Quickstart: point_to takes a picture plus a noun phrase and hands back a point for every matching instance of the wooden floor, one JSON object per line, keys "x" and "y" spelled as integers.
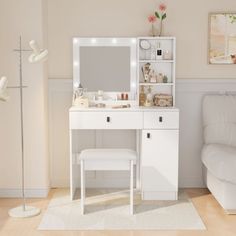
{"x": 215, "y": 219}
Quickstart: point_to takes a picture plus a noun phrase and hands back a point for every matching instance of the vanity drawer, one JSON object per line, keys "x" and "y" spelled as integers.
{"x": 106, "y": 120}
{"x": 161, "y": 120}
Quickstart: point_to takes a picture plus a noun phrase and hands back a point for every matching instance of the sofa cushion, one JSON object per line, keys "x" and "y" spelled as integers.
{"x": 219, "y": 119}
{"x": 220, "y": 160}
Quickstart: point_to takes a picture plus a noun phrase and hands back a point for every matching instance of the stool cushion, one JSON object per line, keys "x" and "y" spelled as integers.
{"x": 108, "y": 154}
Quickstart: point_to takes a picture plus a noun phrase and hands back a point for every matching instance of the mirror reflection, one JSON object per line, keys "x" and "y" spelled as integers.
{"x": 105, "y": 68}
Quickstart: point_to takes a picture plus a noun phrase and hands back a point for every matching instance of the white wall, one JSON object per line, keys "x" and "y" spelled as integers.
{"x": 186, "y": 19}
{"x": 189, "y": 94}
{"x": 24, "y": 18}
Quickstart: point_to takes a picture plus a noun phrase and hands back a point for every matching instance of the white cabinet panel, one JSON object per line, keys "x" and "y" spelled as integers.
{"x": 159, "y": 165}
{"x": 106, "y": 120}
{"x": 161, "y": 120}
{"x": 158, "y": 146}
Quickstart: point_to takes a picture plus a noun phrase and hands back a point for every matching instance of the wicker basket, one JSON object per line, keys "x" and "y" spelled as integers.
{"x": 163, "y": 100}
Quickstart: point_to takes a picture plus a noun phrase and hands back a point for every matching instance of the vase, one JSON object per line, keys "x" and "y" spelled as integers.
{"x": 153, "y": 30}
{"x": 161, "y": 29}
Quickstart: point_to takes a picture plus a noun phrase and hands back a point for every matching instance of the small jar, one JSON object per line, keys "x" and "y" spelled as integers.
{"x": 167, "y": 55}
{"x": 160, "y": 78}
{"x": 100, "y": 95}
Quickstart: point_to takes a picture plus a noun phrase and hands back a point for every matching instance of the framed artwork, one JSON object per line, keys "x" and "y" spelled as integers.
{"x": 222, "y": 38}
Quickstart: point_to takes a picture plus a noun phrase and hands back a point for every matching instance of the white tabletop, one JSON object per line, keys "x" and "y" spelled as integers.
{"x": 135, "y": 108}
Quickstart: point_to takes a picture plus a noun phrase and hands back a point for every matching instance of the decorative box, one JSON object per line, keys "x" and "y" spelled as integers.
{"x": 163, "y": 100}
{"x": 82, "y": 102}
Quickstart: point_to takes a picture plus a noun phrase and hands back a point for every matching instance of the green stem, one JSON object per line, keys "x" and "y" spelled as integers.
{"x": 160, "y": 28}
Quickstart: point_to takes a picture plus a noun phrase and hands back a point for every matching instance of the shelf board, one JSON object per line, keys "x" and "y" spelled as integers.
{"x": 156, "y": 84}
{"x": 156, "y": 61}
{"x": 156, "y": 37}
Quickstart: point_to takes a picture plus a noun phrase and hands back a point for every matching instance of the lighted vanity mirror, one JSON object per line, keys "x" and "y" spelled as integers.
{"x": 107, "y": 64}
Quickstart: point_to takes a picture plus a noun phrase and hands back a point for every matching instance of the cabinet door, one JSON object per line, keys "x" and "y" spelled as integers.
{"x": 159, "y": 160}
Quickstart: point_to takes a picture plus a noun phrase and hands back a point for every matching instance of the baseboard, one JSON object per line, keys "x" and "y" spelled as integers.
{"x": 29, "y": 193}
{"x": 230, "y": 211}
{"x": 192, "y": 183}
{"x": 160, "y": 195}
{"x": 124, "y": 183}
{"x": 108, "y": 183}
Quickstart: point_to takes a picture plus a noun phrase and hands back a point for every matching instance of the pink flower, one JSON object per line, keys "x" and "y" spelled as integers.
{"x": 152, "y": 18}
{"x": 162, "y": 7}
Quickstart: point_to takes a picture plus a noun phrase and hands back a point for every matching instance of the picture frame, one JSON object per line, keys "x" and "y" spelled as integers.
{"x": 222, "y": 38}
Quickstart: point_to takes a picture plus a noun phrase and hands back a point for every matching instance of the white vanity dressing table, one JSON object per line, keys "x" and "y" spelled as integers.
{"x": 156, "y": 128}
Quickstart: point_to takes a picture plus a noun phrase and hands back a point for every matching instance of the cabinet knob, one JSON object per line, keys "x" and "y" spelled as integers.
{"x": 160, "y": 119}
{"x": 108, "y": 119}
{"x": 148, "y": 135}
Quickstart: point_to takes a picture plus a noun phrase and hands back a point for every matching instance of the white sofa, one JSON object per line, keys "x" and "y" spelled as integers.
{"x": 219, "y": 150}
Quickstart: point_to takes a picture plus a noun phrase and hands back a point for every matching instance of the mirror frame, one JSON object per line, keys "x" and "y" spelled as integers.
{"x": 107, "y": 42}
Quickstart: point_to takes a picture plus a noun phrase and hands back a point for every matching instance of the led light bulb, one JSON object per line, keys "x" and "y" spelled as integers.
{"x": 76, "y": 63}
{"x": 114, "y": 40}
{"x": 75, "y": 41}
{"x": 133, "y": 63}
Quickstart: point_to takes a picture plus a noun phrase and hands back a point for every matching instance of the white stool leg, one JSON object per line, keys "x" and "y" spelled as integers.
{"x": 82, "y": 186}
{"x": 131, "y": 187}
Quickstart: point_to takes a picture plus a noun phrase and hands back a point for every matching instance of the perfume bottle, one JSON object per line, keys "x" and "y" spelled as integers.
{"x": 159, "y": 52}
{"x": 78, "y": 92}
{"x": 142, "y": 96}
{"x": 149, "y": 98}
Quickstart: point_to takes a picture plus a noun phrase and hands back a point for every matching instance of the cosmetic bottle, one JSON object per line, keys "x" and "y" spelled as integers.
{"x": 159, "y": 53}
{"x": 142, "y": 96}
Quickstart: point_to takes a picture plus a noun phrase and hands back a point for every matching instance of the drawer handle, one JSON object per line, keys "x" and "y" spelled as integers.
{"x": 108, "y": 119}
{"x": 160, "y": 119}
{"x": 148, "y": 135}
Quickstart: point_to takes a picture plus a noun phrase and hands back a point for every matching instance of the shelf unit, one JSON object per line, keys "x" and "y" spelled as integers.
{"x": 156, "y": 84}
{"x": 165, "y": 66}
{"x": 155, "y": 61}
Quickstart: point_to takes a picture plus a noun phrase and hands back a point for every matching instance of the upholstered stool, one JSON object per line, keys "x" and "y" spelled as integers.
{"x": 107, "y": 159}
